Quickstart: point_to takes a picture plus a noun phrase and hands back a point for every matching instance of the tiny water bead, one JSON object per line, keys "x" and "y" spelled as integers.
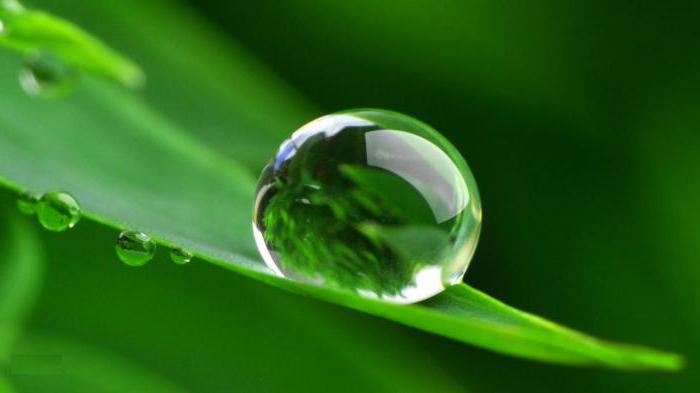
{"x": 180, "y": 256}
{"x": 370, "y": 201}
{"x": 46, "y": 75}
{"x": 27, "y": 202}
{"x": 135, "y": 248}
{"x": 58, "y": 211}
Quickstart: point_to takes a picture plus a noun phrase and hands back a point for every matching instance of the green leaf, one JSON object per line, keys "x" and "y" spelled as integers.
{"x": 28, "y": 32}
{"x": 131, "y": 168}
{"x": 47, "y": 363}
{"x": 20, "y": 277}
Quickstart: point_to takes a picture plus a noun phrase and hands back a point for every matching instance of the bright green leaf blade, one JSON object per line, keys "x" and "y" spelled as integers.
{"x": 468, "y": 315}
{"x": 142, "y": 172}
{"x": 45, "y": 363}
{"x": 28, "y": 31}
{"x": 21, "y": 270}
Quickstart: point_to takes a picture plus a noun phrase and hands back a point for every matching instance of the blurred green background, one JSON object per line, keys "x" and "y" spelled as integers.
{"x": 580, "y": 121}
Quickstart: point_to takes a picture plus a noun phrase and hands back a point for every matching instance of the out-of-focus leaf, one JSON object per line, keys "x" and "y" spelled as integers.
{"x": 197, "y": 77}
{"x": 20, "y": 275}
{"x": 669, "y": 149}
{"x": 29, "y": 32}
{"x": 50, "y": 364}
{"x": 6, "y": 386}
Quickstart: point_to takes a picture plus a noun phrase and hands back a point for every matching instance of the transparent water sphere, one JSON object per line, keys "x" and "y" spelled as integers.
{"x": 370, "y": 201}
{"x": 58, "y": 211}
{"x": 46, "y": 75}
{"x": 135, "y": 248}
{"x": 180, "y": 256}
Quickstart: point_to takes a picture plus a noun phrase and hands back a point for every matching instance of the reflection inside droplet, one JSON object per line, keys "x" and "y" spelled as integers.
{"x": 423, "y": 165}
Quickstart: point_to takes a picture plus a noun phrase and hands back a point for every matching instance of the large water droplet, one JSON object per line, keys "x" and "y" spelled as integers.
{"x": 370, "y": 201}
{"x": 58, "y": 211}
{"x": 47, "y": 75}
{"x": 135, "y": 248}
{"x": 180, "y": 256}
{"x": 27, "y": 202}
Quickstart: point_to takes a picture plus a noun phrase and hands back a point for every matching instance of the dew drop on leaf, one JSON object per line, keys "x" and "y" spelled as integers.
{"x": 180, "y": 256}
{"x": 47, "y": 75}
{"x": 370, "y": 201}
{"x": 27, "y": 202}
{"x": 58, "y": 211}
{"x": 135, "y": 248}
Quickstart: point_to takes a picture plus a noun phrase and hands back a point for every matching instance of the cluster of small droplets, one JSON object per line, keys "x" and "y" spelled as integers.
{"x": 58, "y": 211}
{"x": 136, "y": 248}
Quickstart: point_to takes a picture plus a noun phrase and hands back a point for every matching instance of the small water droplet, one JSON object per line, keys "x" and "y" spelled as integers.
{"x": 370, "y": 201}
{"x": 135, "y": 248}
{"x": 27, "y": 202}
{"x": 58, "y": 211}
{"x": 180, "y": 256}
{"x": 47, "y": 76}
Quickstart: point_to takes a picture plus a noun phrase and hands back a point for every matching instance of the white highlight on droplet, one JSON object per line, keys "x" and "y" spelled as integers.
{"x": 424, "y": 165}
{"x": 330, "y": 124}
